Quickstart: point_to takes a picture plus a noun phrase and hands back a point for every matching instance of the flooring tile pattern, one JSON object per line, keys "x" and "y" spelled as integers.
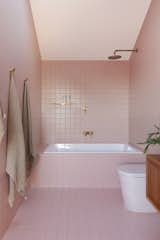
{"x": 80, "y": 214}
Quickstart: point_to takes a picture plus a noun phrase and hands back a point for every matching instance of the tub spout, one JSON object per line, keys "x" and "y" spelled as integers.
{"x": 88, "y": 133}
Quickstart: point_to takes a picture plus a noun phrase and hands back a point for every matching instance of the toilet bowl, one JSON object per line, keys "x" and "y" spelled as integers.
{"x": 133, "y": 186}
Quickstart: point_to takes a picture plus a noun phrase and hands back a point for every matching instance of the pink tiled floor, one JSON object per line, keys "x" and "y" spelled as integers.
{"x": 66, "y": 214}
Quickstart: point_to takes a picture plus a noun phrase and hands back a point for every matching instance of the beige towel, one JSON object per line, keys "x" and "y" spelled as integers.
{"x": 15, "y": 166}
{"x": 1, "y": 126}
{"x": 27, "y": 128}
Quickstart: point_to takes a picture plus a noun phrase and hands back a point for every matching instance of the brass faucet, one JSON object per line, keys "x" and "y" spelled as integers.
{"x": 88, "y": 133}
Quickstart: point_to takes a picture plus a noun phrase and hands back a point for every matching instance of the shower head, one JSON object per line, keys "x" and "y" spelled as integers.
{"x": 116, "y": 57}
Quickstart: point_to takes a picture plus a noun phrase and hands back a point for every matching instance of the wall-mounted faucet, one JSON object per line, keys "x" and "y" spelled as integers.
{"x": 84, "y": 108}
{"x": 88, "y": 133}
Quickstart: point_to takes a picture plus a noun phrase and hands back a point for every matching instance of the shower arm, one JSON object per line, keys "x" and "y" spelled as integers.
{"x": 125, "y": 50}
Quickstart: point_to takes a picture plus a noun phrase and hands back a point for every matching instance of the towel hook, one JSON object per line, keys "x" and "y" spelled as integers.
{"x": 12, "y": 70}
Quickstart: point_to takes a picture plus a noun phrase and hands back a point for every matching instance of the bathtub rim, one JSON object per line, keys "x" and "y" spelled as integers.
{"x": 137, "y": 150}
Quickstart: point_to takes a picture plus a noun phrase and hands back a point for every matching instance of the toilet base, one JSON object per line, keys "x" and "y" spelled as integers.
{"x": 134, "y": 194}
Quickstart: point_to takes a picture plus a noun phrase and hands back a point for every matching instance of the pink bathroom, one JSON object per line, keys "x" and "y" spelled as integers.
{"x": 79, "y": 120}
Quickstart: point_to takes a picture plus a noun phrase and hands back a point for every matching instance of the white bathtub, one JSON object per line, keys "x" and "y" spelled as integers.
{"x": 83, "y": 165}
{"x": 91, "y": 148}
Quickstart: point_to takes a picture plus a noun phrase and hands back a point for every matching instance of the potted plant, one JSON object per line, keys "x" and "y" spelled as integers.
{"x": 152, "y": 139}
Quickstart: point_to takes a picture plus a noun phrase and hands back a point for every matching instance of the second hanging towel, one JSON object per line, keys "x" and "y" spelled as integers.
{"x": 27, "y": 128}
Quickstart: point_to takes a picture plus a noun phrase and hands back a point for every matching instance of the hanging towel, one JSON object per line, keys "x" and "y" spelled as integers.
{"x": 1, "y": 125}
{"x": 15, "y": 166}
{"x": 27, "y": 128}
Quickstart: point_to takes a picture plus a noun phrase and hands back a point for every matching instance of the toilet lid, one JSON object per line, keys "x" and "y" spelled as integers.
{"x": 133, "y": 169}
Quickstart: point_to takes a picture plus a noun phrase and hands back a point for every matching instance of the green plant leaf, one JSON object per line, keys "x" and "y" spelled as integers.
{"x": 152, "y": 139}
{"x": 146, "y": 148}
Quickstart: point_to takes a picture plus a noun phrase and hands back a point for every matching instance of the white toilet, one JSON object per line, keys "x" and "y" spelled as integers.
{"x": 133, "y": 185}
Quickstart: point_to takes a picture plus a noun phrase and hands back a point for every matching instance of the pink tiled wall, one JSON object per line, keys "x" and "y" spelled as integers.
{"x": 102, "y": 86}
{"x": 18, "y": 47}
{"x": 145, "y": 78}
{"x": 81, "y": 170}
